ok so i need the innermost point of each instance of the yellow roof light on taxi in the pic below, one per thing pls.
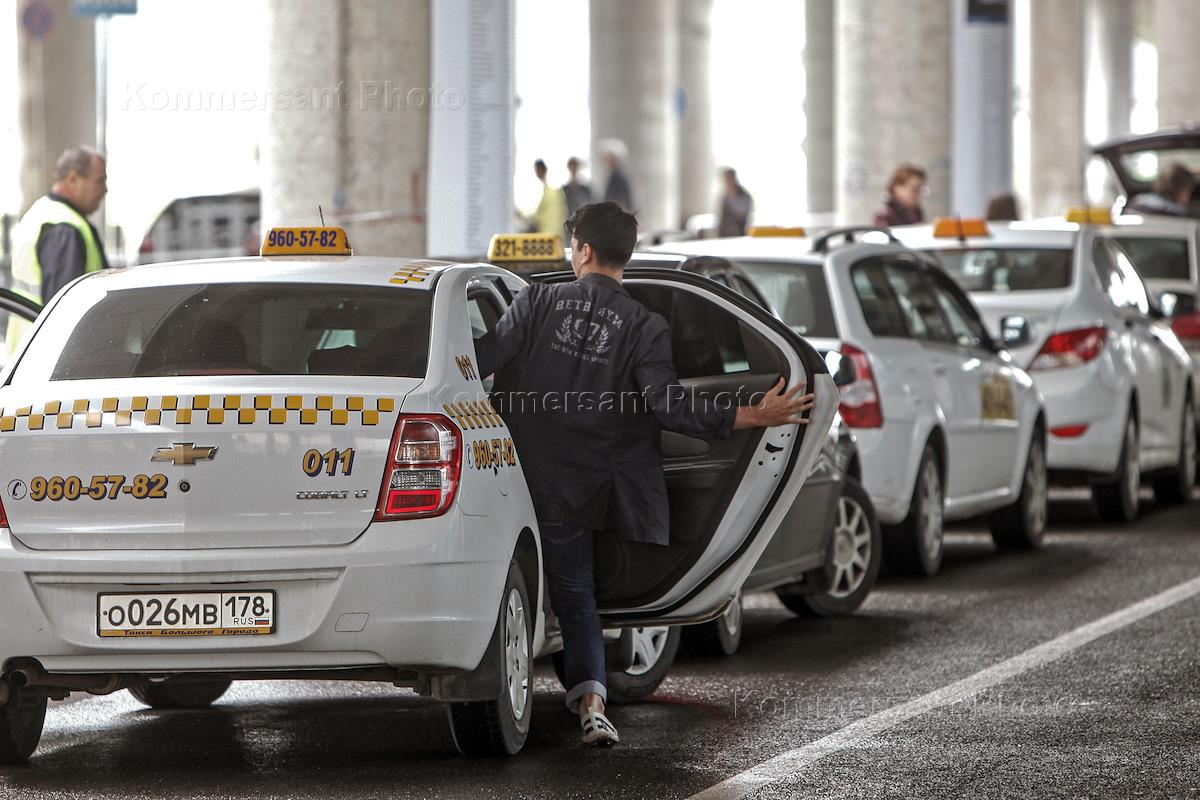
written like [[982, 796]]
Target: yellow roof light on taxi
[[1083, 215], [314, 241], [525, 247], [770, 231], [959, 227]]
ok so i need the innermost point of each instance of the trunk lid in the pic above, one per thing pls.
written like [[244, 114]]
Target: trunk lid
[[193, 463]]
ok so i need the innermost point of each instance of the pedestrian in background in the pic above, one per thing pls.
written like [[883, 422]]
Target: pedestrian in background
[[736, 205], [551, 212], [54, 242], [578, 193], [1172, 195], [618, 189], [903, 203], [1003, 208]]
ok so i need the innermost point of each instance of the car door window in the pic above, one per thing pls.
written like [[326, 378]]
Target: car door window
[[919, 302], [880, 306], [1111, 281], [705, 339], [1136, 296], [964, 324]]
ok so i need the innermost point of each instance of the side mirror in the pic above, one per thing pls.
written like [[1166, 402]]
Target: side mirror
[[1014, 331], [840, 368]]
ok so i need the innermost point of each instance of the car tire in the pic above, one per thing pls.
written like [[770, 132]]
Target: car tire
[[915, 545], [1176, 486], [855, 558], [169, 695], [499, 727], [719, 637], [1022, 525], [1117, 500], [654, 651], [21, 721]]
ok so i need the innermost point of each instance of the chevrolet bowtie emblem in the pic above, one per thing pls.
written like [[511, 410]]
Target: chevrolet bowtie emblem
[[184, 454]]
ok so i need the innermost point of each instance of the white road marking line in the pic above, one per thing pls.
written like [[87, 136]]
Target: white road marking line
[[793, 761]]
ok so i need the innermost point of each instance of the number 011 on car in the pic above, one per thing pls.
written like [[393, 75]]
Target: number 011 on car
[[190, 614]]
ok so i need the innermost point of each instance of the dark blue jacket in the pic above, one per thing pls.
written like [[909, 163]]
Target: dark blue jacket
[[585, 382]]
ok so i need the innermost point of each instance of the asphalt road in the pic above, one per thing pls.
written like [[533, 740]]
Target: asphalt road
[[1112, 717]]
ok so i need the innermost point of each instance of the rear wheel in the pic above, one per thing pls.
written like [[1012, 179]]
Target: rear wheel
[[855, 557], [915, 545], [653, 650], [1176, 486], [1117, 500], [21, 720], [1022, 526], [168, 695], [719, 637], [500, 726]]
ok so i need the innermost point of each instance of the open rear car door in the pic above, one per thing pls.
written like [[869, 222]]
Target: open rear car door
[[727, 497]]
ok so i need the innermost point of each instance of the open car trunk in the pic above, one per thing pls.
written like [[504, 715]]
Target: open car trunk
[[1136, 161]]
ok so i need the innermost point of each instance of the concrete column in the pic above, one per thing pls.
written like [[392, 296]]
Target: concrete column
[[1110, 32], [57, 94], [819, 93], [634, 78], [696, 165], [1049, 143], [1177, 30], [893, 100], [348, 128], [983, 87]]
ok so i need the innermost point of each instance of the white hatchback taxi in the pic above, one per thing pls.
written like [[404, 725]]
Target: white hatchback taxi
[[1117, 381], [948, 426], [287, 466]]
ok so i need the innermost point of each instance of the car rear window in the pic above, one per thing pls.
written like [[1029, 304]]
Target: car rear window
[[1158, 258], [1007, 269], [231, 329], [798, 293]]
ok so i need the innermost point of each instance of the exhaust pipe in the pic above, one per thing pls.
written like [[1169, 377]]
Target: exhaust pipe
[[29, 673]]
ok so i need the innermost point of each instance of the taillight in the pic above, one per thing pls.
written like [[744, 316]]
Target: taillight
[[422, 469], [1187, 328], [3, 516], [1071, 348], [860, 407], [147, 245]]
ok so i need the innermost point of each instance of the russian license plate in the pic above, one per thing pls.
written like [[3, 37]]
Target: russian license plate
[[190, 614]]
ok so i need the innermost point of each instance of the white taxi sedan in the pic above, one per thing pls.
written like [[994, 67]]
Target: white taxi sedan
[[287, 466], [1117, 381], [947, 425]]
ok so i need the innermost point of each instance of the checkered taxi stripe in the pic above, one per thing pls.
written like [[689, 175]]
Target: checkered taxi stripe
[[122, 412], [473, 415]]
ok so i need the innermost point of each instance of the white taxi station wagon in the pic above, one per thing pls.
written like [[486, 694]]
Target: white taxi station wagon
[[287, 467]]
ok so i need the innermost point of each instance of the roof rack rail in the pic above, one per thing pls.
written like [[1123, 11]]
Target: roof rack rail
[[821, 245]]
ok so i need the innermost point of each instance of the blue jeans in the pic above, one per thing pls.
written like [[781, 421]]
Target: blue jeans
[[567, 559]]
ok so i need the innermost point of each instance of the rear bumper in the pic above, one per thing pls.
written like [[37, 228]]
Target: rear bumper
[[419, 595], [888, 463], [1090, 395]]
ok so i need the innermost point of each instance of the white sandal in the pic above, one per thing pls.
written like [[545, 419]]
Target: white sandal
[[597, 730]]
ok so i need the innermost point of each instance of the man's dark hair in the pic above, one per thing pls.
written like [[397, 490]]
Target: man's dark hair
[[608, 228], [539, 164], [1175, 180]]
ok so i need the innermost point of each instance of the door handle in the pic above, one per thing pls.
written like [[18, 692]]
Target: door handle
[[939, 369], [1129, 323]]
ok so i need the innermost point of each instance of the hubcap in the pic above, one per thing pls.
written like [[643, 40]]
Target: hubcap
[[851, 548], [931, 511], [1133, 466], [516, 653], [1035, 479], [732, 618], [648, 646]]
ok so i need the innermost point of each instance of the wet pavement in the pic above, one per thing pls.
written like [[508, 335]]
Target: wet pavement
[[1114, 718]]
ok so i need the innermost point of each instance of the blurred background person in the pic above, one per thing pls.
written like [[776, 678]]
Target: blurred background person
[[578, 193], [1172, 195], [1003, 208], [903, 203], [618, 190], [551, 213], [736, 205]]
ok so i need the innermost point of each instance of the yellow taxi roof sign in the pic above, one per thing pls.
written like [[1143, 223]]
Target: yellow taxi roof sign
[[959, 227], [314, 241], [1083, 215], [525, 247], [769, 231]]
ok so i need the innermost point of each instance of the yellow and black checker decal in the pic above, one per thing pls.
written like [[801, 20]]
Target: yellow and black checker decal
[[198, 410], [417, 272], [473, 415]]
